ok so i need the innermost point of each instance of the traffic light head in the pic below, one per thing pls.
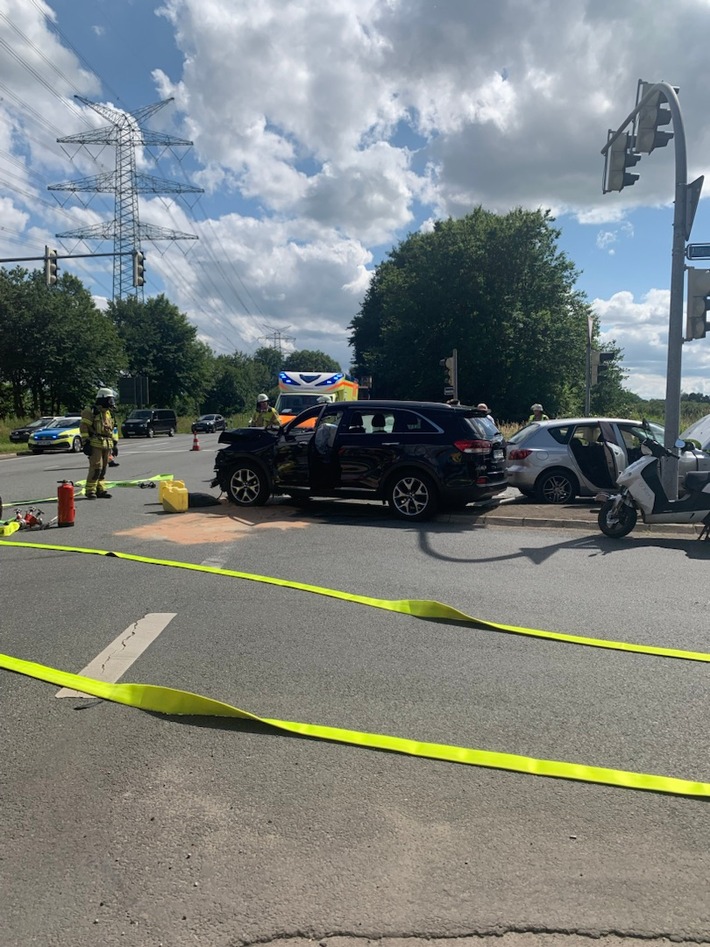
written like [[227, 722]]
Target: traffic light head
[[619, 156], [696, 325], [138, 268], [51, 269], [448, 364], [654, 113]]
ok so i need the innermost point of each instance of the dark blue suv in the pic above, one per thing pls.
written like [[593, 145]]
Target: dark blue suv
[[418, 456]]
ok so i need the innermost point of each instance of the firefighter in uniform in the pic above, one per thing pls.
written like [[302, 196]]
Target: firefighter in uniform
[[265, 415], [98, 441]]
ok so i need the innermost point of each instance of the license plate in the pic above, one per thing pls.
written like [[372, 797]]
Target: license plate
[[498, 455]]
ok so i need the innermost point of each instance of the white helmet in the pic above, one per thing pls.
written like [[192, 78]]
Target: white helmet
[[104, 393], [262, 397], [536, 407]]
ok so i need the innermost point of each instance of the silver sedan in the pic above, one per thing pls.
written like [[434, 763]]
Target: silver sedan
[[555, 461]]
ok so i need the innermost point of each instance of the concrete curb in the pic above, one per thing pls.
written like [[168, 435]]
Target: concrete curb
[[689, 531]]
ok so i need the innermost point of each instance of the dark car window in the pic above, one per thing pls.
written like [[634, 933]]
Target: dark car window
[[524, 433], [410, 422], [303, 423], [483, 428], [561, 434], [139, 414], [638, 432]]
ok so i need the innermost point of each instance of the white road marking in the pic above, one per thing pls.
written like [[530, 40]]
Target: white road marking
[[220, 561], [114, 661]]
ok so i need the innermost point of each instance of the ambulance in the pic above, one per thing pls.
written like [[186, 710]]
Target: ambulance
[[300, 390]]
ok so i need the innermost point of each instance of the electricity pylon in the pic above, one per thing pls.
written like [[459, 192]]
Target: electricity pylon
[[277, 338], [126, 132]]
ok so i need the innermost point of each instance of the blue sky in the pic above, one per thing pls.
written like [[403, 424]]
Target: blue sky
[[325, 133]]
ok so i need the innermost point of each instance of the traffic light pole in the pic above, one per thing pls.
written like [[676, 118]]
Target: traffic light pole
[[681, 233], [62, 256], [685, 202], [52, 256], [588, 371]]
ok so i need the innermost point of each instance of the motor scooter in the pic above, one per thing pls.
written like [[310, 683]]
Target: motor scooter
[[641, 491]]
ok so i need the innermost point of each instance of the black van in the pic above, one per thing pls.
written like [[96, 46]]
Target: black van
[[147, 422]]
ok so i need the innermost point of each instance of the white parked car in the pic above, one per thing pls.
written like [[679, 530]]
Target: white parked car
[[699, 431]]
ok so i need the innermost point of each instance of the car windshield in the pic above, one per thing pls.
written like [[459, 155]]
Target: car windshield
[[206, 417], [649, 429], [483, 427], [699, 431], [139, 415], [294, 404], [68, 422], [35, 425], [523, 432]]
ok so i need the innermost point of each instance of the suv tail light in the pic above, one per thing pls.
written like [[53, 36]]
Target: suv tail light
[[473, 447], [519, 453]]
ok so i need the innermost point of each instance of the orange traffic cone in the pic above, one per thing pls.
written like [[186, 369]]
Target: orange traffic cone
[[195, 442]]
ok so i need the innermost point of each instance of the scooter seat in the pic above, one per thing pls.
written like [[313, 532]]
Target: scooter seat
[[697, 480]]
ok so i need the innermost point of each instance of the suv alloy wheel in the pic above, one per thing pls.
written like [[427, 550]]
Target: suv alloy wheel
[[412, 495], [247, 485]]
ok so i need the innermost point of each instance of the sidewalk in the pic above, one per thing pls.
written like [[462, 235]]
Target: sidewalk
[[517, 510]]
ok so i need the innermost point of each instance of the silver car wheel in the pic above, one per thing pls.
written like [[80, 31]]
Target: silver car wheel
[[556, 486], [247, 486], [412, 497]]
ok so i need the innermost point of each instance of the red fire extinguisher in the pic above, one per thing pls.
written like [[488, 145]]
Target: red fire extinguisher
[[65, 500]]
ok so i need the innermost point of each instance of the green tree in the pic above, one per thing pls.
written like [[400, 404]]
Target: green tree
[[237, 380], [608, 397], [306, 360], [56, 347], [272, 359], [496, 288], [161, 343]]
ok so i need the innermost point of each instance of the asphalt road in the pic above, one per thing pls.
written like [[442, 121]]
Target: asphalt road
[[126, 827]]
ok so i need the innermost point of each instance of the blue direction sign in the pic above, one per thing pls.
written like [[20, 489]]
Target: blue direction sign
[[698, 251]]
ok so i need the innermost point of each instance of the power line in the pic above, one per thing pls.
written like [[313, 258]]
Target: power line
[[126, 131]]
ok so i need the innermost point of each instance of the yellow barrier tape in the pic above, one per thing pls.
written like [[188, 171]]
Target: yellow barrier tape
[[419, 608], [168, 700]]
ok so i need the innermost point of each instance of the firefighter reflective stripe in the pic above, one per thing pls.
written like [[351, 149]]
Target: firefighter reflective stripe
[[98, 425]]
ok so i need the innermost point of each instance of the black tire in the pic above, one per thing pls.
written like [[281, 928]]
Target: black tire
[[150, 432], [76, 445], [247, 485], [622, 523], [526, 492], [171, 432], [412, 496], [35, 451], [556, 485]]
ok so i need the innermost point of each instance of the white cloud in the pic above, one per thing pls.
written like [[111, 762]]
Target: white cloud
[[640, 329], [326, 131]]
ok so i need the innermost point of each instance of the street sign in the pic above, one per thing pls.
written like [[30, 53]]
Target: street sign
[[698, 251], [448, 392]]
